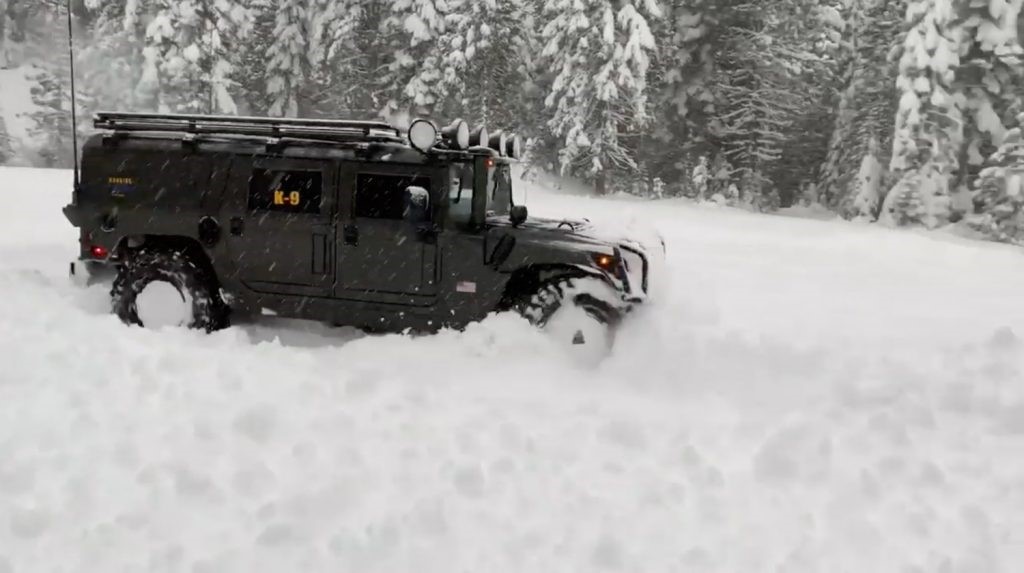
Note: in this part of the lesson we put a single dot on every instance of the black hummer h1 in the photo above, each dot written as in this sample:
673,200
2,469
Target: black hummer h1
346,222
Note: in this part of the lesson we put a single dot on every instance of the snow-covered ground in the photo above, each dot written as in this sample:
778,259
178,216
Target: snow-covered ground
810,396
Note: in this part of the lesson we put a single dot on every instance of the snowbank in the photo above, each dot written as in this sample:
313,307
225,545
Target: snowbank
810,397
815,211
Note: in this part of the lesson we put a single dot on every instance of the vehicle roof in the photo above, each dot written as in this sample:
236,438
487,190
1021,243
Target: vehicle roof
285,147
283,137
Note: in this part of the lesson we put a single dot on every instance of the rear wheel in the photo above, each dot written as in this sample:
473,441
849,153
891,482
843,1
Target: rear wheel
165,287
578,312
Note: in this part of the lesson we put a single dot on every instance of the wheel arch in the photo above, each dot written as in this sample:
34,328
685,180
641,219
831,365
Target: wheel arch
188,246
526,280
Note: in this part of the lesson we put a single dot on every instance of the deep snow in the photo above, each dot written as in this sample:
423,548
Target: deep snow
809,396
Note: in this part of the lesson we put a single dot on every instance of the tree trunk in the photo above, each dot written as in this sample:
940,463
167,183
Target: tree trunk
3,34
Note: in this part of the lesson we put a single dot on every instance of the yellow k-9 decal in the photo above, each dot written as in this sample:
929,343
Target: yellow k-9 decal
293,198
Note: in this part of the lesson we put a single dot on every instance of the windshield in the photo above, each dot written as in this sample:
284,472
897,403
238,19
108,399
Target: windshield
499,189
460,194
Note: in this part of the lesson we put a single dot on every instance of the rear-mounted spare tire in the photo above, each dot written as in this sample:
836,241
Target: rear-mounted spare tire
164,287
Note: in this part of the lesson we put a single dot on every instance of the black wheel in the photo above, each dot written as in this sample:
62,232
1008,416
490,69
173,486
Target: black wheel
164,287
577,311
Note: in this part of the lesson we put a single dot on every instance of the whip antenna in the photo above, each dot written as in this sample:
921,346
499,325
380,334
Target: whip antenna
74,103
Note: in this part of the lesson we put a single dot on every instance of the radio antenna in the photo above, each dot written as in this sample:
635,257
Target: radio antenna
74,103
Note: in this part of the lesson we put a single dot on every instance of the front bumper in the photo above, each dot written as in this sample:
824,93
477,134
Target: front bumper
643,268
635,271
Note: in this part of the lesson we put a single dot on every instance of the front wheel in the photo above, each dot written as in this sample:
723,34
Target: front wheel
581,312
160,288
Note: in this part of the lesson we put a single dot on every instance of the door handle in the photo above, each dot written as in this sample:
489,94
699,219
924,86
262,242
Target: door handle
351,234
237,226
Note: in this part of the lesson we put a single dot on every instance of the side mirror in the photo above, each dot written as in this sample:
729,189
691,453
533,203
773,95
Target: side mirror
518,214
417,205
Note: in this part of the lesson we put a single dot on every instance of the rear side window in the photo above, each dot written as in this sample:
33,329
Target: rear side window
286,191
141,176
383,196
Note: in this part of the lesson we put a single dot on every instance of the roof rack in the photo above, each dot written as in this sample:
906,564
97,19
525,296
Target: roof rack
320,129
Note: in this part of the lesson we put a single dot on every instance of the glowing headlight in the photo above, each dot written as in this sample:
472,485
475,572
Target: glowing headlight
605,262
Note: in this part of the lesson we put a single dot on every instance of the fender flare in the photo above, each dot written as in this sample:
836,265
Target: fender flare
526,280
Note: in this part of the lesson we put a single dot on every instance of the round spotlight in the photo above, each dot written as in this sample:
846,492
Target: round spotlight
480,137
514,147
457,134
422,135
498,142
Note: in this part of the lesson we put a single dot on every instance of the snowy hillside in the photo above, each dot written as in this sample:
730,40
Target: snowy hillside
810,396
16,109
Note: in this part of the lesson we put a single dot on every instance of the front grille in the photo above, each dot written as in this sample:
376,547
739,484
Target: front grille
636,271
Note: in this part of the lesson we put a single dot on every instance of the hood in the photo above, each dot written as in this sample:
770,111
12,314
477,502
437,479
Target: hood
641,247
578,232
562,226
630,235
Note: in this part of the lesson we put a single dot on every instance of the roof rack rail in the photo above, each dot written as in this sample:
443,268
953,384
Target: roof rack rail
323,129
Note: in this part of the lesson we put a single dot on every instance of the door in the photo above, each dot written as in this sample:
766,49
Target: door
381,256
281,227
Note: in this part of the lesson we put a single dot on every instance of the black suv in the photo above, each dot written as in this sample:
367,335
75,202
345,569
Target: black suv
347,222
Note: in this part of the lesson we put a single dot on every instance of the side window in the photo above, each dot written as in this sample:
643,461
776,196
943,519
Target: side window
286,191
383,196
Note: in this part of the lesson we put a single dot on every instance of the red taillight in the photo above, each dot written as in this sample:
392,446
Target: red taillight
99,252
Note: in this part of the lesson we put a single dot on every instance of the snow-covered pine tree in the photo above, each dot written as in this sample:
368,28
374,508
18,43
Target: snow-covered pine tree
908,207
361,80
414,71
683,102
991,78
482,63
929,124
757,103
250,71
752,81
306,35
287,58
700,177
345,54
189,54
109,55
865,111
3,34
6,144
600,52
51,121
806,36
1001,191
865,190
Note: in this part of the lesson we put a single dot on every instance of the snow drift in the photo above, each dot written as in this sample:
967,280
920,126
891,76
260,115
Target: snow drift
810,396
